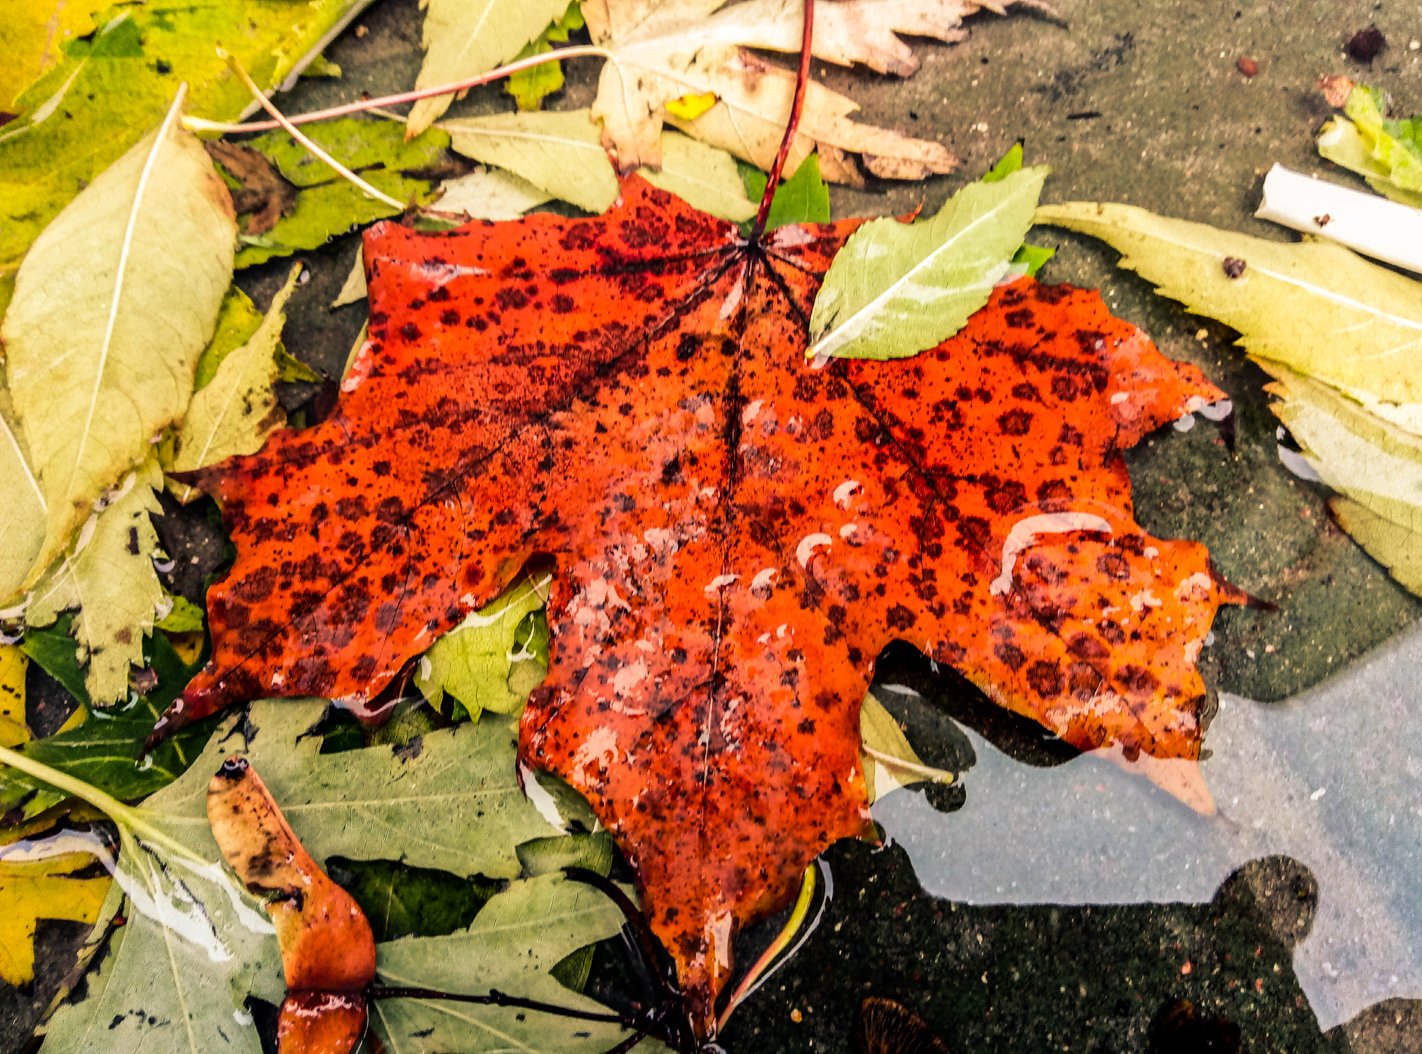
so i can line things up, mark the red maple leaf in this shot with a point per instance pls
(737, 533)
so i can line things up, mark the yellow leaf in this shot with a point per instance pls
(33, 35)
(691, 105)
(42, 889)
(13, 730)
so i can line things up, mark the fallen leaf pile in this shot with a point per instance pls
(631, 500)
(737, 533)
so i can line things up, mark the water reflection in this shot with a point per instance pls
(1320, 792)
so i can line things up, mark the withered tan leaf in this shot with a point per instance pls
(663, 51)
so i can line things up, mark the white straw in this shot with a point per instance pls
(1385, 230)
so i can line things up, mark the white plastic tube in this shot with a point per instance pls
(1374, 226)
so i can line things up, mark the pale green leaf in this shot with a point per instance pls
(489, 194)
(113, 306)
(703, 176)
(481, 662)
(1340, 142)
(328, 205)
(22, 526)
(236, 411)
(513, 943)
(1376, 466)
(464, 38)
(196, 945)
(560, 152)
(109, 89)
(896, 289)
(1314, 307)
(888, 758)
(109, 578)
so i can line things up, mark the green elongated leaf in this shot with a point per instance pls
(896, 288)
(1311, 306)
(109, 89)
(1375, 466)
(236, 412)
(531, 86)
(803, 198)
(495, 657)
(512, 945)
(22, 526)
(109, 579)
(328, 205)
(196, 945)
(91, 375)
(561, 153)
(889, 760)
(106, 751)
(464, 38)
(1340, 142)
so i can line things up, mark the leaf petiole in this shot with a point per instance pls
(578, 51)
(125, 816)
(304, 139)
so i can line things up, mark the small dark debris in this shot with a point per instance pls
(1233, 266)
(1366, 44)
(1323, 221)
(145, 680)
(133, 541)
(1083, 115)
(1247, 66)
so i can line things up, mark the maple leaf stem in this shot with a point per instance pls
(792, 124)
(578, 51)
(305, 140)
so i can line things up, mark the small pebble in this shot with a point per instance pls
(1366, 44)
(1247, 66)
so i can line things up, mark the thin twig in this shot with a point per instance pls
(305, 140)
(578, 51)
(802, 79)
